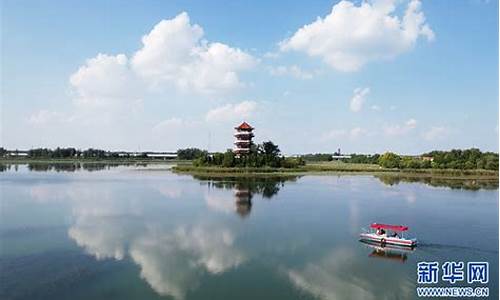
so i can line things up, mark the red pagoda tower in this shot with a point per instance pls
(243, 137)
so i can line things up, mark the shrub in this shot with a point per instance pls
(389, 160)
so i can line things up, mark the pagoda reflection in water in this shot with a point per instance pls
(245, 188)
(243, 200)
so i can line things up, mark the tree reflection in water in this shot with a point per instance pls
(245, 187)
(5, 167)
(69, 166)
(436, 181)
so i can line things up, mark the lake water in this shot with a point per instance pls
(100, 232)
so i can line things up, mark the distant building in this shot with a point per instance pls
(427, 158)
(17, 153)
(243, 142)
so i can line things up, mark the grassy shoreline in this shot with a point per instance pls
(358, 169)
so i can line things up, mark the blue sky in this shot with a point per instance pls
(312, 76)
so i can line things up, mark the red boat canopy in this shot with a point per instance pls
(389, 227)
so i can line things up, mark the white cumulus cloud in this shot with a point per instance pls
(411, 123)
(45, 116)
(293, 71)
(105, 81)
(173, 55)
(351, 36)
(174, 52)
(358, 99)
(230, 112)
(352, 133)
(435, 132)
(356, 132)
(168, 125)
(400, 129)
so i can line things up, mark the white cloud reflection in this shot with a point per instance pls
(175, 252)
(220, 202)
(171, 262)
(341, 275)
(172, 256)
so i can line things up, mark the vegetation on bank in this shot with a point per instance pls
(70, 152)
(464, 183)
(131, 160)
(353, 158)
(464, 159)
(265, 155)
(74, 154)
(336, 167)
(468, 159)
(191, 153)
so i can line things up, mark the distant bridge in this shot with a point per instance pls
(341, 156)
(159, 155)
(149, 154)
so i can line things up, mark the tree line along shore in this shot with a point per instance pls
(267, 158)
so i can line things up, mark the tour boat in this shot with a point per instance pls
(388, 235)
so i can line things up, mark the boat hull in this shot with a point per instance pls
(382, 239)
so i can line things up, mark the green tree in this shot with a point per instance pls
(389, 160)
(228, 159)
(190, 153)
(426, 164)
(317, 157)
(270, 149)
(266, 154)
(363, 159)
(410, 163)
(491, 162)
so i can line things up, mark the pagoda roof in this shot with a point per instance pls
(244, 125)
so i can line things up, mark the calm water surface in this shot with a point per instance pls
(137, 233)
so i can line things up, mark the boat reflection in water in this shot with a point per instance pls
(388, 252)
(244, 188)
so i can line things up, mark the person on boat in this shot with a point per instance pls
(395, 234)
(380, 231)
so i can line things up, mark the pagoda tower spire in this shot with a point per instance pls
(243, 134)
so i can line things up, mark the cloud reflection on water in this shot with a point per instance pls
(171, 254)
(177, 244)
(171, 261)
(340, 274)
